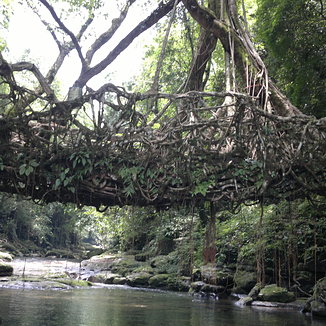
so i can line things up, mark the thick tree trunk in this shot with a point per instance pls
(210, 238)
(244, 52)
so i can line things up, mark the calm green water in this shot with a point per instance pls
(117, 306)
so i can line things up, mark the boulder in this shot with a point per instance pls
(125, 265)
(138, 279)
(254, 292)
(6, 269)
(208, 273)
(159, 281)
(197, 286)
(216, 289)
(164, 264)
(245, 301)
(5, 256)
(170, 282)
(275, 293)
(181, 284)
(142, 256)
(103, 277)
(316, 304)
(119, 280)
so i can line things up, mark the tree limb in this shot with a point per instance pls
(106, 36)
(67, 31)
(152, 19)
(243, 48)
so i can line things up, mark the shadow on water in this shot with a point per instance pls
(123, 306)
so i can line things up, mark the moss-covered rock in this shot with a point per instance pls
(244, 281)
(217, 275)
(275, 293)
(254, 292)
(170, 282)
(216, 289)
(5, 256)
(144, 268)
(164, 264)
(74, 283)
(208, 273)
(125, 265)
(316, 304)
(6, 269)
(197, 286)
(119, 280)
(143, 256)
(103, 277)
(179, 283)
(159, 281)
(138, 279)
(245, 301)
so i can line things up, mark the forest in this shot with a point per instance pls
(204, 168)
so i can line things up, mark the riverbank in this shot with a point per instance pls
(52, 273)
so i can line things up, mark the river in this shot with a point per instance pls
(124, 306)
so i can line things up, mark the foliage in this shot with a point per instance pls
(295, 36)
(176, 67)
(291, 236)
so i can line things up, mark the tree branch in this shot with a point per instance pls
(243, 49)
(67, 31)
(106, 36)
(20, 66)
(152, 19)
(64, 50)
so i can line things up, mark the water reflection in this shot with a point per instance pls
(121, 306)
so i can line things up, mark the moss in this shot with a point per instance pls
(145, 269)
(55, 275)
(164, 264)
(75, 283)
(138, 279)
(159, 280)
(181, 284)
(245, 301)
(125, 265)
(275, 293)
(143, 256)
(119, 280)
(169, 282)
(5, 256)
(6, 269)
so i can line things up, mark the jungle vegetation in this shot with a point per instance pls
(214, 151)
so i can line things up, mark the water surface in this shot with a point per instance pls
(123, 306)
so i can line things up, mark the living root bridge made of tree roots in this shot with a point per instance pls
(194, 150)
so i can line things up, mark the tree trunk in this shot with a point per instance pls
(210, 238)
(243, 51)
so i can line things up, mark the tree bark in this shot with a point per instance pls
(210, 238)
(244, 50)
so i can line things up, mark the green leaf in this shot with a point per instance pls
(33, 163)
(57, 184)
(28, 170)
(22, 169)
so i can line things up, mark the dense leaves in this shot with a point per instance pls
(295, 36)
